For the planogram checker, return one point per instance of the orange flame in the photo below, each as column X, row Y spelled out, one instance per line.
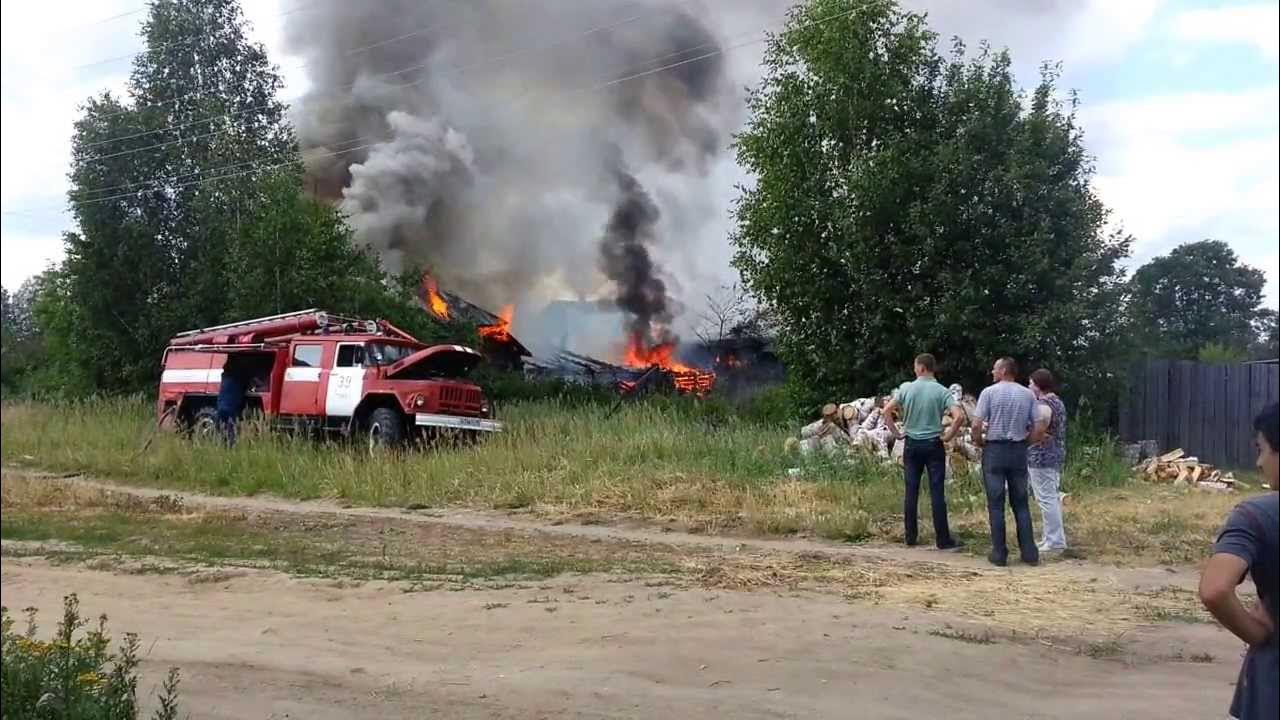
column 637, row 355
column 435, row 301
column 686, row 379
column 499, row 332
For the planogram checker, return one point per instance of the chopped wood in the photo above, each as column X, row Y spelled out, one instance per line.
column 1184, row 470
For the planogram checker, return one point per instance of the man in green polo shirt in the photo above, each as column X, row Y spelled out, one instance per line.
column 922, row 403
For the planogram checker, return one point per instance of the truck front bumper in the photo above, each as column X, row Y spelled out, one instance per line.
column 456, row 423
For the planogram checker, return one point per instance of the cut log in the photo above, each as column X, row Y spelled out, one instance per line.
column 1171, row 455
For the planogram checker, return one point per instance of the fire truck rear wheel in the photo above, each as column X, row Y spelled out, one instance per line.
column 205, row 422
column 385, row 428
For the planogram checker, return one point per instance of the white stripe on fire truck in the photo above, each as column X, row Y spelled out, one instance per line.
column 191, row 376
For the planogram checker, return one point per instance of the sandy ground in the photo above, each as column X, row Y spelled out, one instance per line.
column 262, row 645
column 259, row 644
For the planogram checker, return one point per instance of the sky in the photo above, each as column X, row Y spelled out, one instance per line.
column 1180, row 102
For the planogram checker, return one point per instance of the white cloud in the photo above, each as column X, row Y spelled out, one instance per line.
column 1184, row 167
column 50, row 68
column 1255, row 25
column 28, row 254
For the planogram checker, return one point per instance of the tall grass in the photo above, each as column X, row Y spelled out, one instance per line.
column 699, row 464
column 662, row 458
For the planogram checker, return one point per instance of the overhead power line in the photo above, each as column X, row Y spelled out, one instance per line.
column 343, row 88
column 176, row 43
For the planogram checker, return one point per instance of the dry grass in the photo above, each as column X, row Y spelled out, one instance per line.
column 1057, row 602
column 1050, row 602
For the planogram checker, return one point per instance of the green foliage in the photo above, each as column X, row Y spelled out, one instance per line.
column 504, row 386
column 771, row 407
column 1267, row 327
column 1199, row 295
column 73, row 676
column 924, row 205
column 191, row 212
column 1220, row 354
column 21, row 347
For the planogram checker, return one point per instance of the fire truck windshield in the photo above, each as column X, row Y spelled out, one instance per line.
column 388, row 353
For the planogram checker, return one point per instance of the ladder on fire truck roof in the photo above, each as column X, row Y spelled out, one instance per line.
column 248, row 325
column 277, row 327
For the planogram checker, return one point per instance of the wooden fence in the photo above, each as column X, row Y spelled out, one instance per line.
column 1205, row 409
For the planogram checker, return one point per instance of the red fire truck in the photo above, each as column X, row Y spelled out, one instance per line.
column 317, row 371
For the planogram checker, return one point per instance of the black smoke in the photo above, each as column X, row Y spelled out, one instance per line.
column 625, row 259
column 469, row 136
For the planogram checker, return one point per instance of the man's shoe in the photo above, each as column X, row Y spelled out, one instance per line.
column 912, row 543
column 1031, row 561
column 997, row 560
column 951, row 545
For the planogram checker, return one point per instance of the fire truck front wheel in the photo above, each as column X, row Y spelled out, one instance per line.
column 384, row 428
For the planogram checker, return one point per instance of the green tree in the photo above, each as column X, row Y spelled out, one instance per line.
column 1267, row 329
column 906, row 201
column 190, row 211
column 154, row 225
column 1200, row 294
column 21, row 345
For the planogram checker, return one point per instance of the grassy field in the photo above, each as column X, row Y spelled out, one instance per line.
column 663, row 461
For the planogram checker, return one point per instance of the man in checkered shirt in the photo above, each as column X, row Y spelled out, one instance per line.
column 1004, row 419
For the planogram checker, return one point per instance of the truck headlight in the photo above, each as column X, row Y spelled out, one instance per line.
column 419, row 400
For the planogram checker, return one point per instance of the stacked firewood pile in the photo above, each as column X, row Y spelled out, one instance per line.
column 1184, row 471
column 849, row 428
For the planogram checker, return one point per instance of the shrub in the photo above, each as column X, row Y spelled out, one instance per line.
column 70, row 677
column 505, row 386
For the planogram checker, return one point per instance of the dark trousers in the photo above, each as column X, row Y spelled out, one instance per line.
column 919, row 456
column 1004, row 471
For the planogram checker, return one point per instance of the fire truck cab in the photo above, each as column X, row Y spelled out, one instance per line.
column 317, row 371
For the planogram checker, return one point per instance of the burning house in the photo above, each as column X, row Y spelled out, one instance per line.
column 497, row 343
column 744, row 364
column 579, row 171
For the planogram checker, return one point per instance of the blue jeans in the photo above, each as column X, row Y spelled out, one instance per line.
column 917, row 457
column 1004, row 471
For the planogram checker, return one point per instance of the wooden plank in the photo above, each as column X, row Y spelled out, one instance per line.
column 1244, row 427
column 1183, row 380
column 1229, row 418
column 1204, row 411
column 1151, row 417
column 1164, row 414
column 1195, row 437
column 1223, row 426
column 1122, row 411
column 1257, row 391
column 1238, row 387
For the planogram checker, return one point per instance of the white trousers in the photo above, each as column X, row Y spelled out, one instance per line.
column 1044, row 485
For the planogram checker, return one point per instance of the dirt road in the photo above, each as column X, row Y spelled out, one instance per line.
column 824, row 631
column 262, row 645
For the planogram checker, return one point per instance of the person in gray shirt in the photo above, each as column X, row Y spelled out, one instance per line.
column 1249, row 545
column 1004, row 419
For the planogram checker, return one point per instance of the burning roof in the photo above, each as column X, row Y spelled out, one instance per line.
column 448, row 307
